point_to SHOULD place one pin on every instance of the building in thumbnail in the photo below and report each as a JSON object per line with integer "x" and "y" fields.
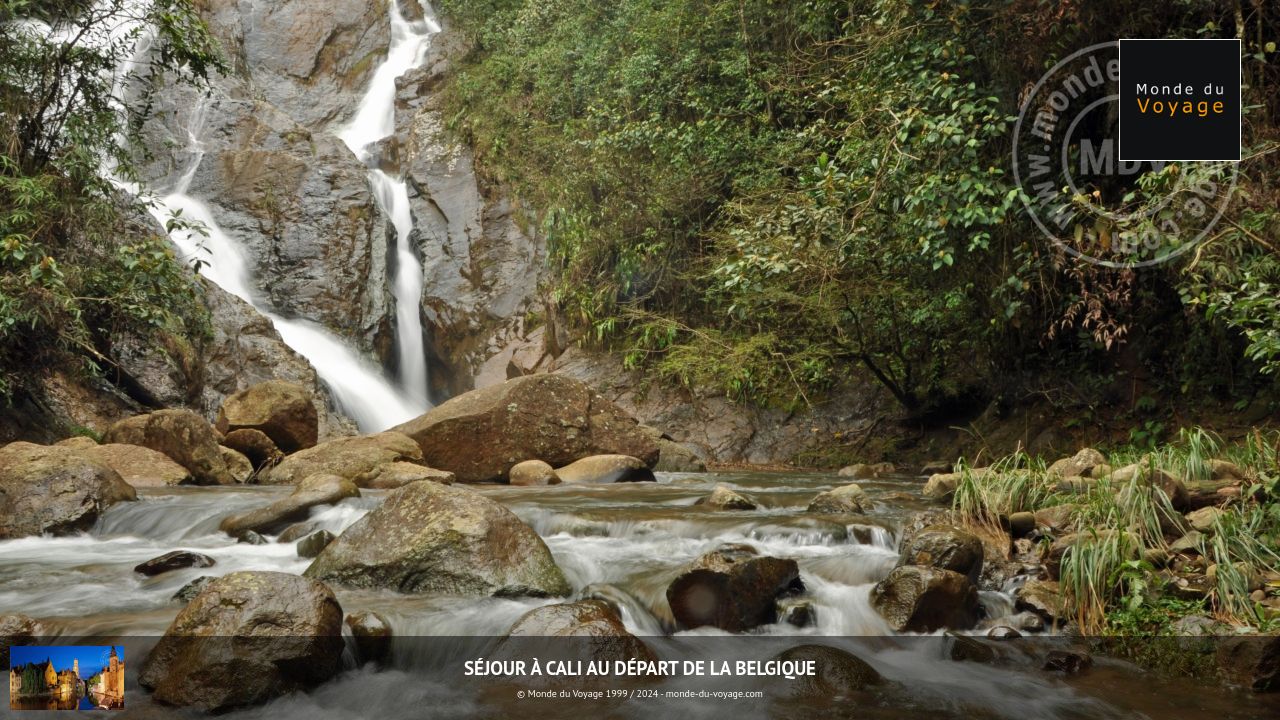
{"x": 110, "y": 688}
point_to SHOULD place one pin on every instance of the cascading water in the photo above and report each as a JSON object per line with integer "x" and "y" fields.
{"x": 373, "y": 122}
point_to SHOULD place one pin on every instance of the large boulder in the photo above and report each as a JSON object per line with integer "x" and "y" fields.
{"x": 54, "y": 490}
{"x": 139, "y": 466}
{"x": 398, "y": 474}
{"x": 925, "y": 599}
{"x": 254, "y": 445}
{"x": 840, "y": 674}
{"x": 596, "y": 624}
{"x": 723, "y": 498}
{"x": 947, "y": 548}
{"x": 358, "y": 459}
{"x": 246, "y": 638}
{"x": 733, "y": 589}
{"x": 604, "y": 469}
{"x": 847, "y": 499}
{"x": 283, "y": 411}
{"x": 481, "y": 434}
{"x": 238, "y": 465}
{"x": 180, "y": 434}
{"x": 315, "y": 490}
{"x": 428, "y": 537}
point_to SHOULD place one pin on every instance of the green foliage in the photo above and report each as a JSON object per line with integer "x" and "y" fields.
{"x": 76, "y": 264}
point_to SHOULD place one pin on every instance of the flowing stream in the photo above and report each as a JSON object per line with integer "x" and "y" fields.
{"x": 625, "y": 542}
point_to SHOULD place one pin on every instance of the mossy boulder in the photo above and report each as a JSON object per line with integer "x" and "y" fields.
{"x": 54, "y": 490}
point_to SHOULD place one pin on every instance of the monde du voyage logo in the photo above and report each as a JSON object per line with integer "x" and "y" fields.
{"x": 1127, "y": 152}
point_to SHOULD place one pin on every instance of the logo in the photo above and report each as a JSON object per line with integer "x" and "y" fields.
{"x": 1083, "y": 197}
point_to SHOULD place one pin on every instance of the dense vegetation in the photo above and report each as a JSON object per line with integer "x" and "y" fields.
{"x": 79, "y": 266}
{"x": 763, "y": 198}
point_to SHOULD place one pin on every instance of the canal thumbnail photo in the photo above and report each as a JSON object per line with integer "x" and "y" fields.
{"x": 70, "y": 677}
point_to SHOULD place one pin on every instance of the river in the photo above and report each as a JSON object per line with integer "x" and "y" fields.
{"x": 625, "y": 542}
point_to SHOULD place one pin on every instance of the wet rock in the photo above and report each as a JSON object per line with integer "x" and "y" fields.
{"x": 594, "y": 619}
{"x": 532, "y": 473}
{"x": 1003, "y": 632}
{"x": 848, "y": 499}
{"x": 605, "y": 469}
{"x": 733, "y": 588}
{"x": 427, "y": 537}
{"x": 315, "y": 543}
{"x": 1251, "y": 662}
{"x": 244, "y": 639}
{"x": 237, "y": 464}
{"x": 181, "y": 435}
{"x": 968, "y": 649}
{"x": 722, "y": 498}
{"x": 251, "y": 538}
{"x": 372, "y": 633}
{"x": 1043, "y": 597}
{"x": 1077, "y": 465}
{"x": 797, "y": 612}
{"x": 139, "y": 466}
{"x": 193, "y": 588}
{"x": 1028, "y": 621}
{"x": 398, "y": 474}
{"x": 923, "y": 599}
{"x": 54, "y": 490}
{"x": 1204, "y": 518}
{"x": 296, "y": 532}
{"x": 315, "y": 490}
{"x": 17, "y": 629}
{"x": 947, "y": 548}
{"x": 283, "y": 411}
{"x": 1070, "y": 661}
{"x": 866, "y": 471}
{"x": 254, "y": 445}
{"x": 358, "y": 459}
{"x": 175, "y": 560}
{"x": 840, "y": 674}
{"x": 481, "y": 434}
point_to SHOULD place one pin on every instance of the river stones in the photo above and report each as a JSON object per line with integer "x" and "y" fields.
{"x": 531, "y": 473}
{"x": 481, "y": 434}
{"x": 183, "y": 436}
{"x": 1077, "y": 465}
{"x": 139, "y": 466}
{"x": 316, "y": 490}
{"x": 595, "y": 621}
{"x": 840, "y": 674}
{"x": 254, "y": 445}
{"x": 1044, "y": 598}
{"x": 866, "y": 471}
{"x": 372, "y": 634}
{"x": 244, "y": 639}
{"x": 175, "y": 560}
{"x": 428, "y": 537}
{"x": 925, "y": 599}
{"x": 604, "y": 469}
{"x": 283, "y": 411}
{"x": 849, "y": 499}
{"x": 315, "y": 543}
{"x": 942, "y": 486}
{"x": 722, "y": 498}
{"x": 237, "y": 464}
{"x": 54, "y": 490}
{"x": 732, "y": 588}
{"x": 947, "y": 548}
{"x": 398, "y": 474}
{"x": 358, "y": 459}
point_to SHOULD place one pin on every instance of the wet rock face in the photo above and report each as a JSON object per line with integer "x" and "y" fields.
{"x": 946, "y": 548}
{"x": 840, "y": 674}
{"x": 256, "y": 447}
{"x": 54, "y": 490}
{"x": 244, "y": 639}
{"x": 428, "y": 537}
{"x": 186, "y": 438}
{"x": 924, "y": 599}
{"x": 175, "y": 560}
{"x": 358, "y": 459}
{"x": 280, "y": 410}
{"x": 733, "y": 588}
{"x": 373, "y": 635}
{"x": 847, "y": 499}
{"x": 480, "y": 435}
{"x": 314, "y": 490}
{"x": 723, "y": 498}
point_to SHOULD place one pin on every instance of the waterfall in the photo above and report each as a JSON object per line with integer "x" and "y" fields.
{"x": 373, "y": 122}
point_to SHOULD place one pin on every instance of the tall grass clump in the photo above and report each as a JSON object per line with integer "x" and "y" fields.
{"x": 1015, "y": 483}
